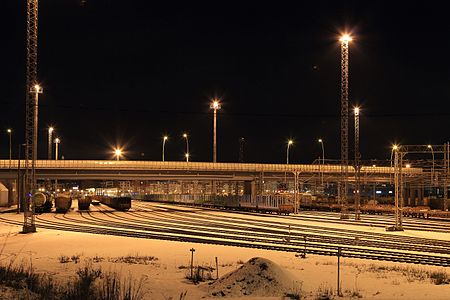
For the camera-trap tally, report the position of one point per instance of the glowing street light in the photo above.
(50, 139)
(165, 138)
(393, 148)
(432, 168)
(215, 106)
(118, 153)
(323, 158)
(57, 142)
(345, 38)
(289, 143)
(9, 131)
(185, 135)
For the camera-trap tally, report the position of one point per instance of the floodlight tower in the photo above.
(345, 39)
(31, 115)
(357, 167)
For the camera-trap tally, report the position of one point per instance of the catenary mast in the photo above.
(31, 114)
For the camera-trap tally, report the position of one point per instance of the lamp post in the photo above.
(185, 135)
(165, 138)
(9, 131)
(289, 143)
(50, 139)
(215, 106)
(118, 154)
(357, 167)
(394, 148)
(57, 141)
(323, 159)
(432, 167)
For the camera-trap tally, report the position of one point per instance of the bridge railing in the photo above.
(195, 166)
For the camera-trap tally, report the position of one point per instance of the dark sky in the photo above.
(128, 72)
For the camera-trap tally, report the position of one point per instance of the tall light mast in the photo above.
(357, 167)
(345, 39)
(31, 114)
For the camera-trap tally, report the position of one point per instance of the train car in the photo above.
(84, 203)
(119, 203)
(42, 202)
(63, 204)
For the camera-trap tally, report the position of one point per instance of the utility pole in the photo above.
(339, 271)
(31, 116)
(192, 263)
(398, 189)
(357, 168)
(447, 172)
(345, 39)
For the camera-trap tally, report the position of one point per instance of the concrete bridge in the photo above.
(176, 170)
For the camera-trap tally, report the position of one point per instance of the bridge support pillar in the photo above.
(250, 189)
(420, 196)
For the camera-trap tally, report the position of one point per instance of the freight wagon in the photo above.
(280, 204)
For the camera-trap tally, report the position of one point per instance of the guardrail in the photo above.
(196, 166)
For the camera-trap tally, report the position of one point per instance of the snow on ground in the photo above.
(166, 275)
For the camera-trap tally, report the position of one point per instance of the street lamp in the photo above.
(432, 168)
(165, 138)
(215, 105)
(57, 141)
(394, 148)
(323, 150)
(118, 153)
(323, 159)
(185, 135)
(9, 131)
(289, 143)
(50, 139)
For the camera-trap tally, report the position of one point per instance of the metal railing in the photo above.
(194, 166)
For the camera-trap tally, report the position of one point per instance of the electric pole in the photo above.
(31, 118)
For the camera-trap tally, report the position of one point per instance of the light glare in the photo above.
(345, 38)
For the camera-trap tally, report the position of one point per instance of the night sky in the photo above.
(128, 72)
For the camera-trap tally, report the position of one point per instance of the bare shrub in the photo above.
(134, 290)
(63, 259)
(75, 258)
(439, 277)
(324, 292)
(295, 294)
(200, 274)
(134, 259)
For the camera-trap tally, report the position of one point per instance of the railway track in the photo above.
(130, 225)
(409, 223)
(280, 232)
(355, 234)
(379, 221)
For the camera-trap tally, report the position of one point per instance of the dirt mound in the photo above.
(257, 277)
